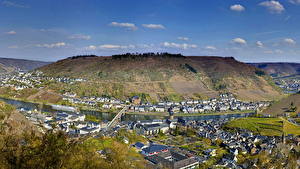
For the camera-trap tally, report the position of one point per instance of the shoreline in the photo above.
(160, 114)
(191, 114)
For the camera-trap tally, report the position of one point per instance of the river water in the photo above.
(109, 116)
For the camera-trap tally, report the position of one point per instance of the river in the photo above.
(109, 116)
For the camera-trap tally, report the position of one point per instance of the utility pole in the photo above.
(283, 134)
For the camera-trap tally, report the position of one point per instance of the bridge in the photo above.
(117, 118)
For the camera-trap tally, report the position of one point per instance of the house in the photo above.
(88, 130)
(242, 108)
(139, 145)
(126, 140)
(207, 107)
(153, 149)
(173, 159)
(106, 106)
(136, 100)
(151, 129)
(141, 109)
(93, 125)
(160, 108)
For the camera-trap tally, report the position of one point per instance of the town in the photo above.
(157, 84)
(209, 143)
(289, 84)
(163, 147)
(226, 101)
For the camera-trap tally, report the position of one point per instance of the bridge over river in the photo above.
(117, 118)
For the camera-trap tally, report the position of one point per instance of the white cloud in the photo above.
(179, 46)
(210, 48)
(259, 44)
(91, 47)
(13, 4)
(294, 1)
(239, 41)
(47, 30)
(277, 51)
(52, 45)
(289, 41)
(129, 26)
(183, 38)
(13, 47)
(273, 6)
(237, 7)
(110, 47)
(268, 52)
(153, 26)
(80, 36)
(11, 33)
(145, 45)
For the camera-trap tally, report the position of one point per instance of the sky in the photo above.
(249, 30)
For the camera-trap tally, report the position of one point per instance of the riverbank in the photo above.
(23, 100)
(83, 108)
(210, 114)
(189, 114)
(132, 116)
(128, 116)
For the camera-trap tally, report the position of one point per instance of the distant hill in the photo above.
(166, 74)
(6, 69)
(279, 69)
(22, 64)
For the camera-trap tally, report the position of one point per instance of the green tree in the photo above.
(293, 108)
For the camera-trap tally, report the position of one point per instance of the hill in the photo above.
(279, 69)
(23, 147)
(283, 106)
(6, 69)
(165, 75)
(26, 65)
(12, 122)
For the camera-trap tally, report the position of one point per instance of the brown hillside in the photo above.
(280, 107)
(165, 75)
(279, 69)
(14, 123)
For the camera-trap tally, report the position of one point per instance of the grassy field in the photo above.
(264, 126)
(290, 128)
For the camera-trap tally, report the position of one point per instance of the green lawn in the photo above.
(132, 136)
(92, 118)
(290, 128)
(264, 126)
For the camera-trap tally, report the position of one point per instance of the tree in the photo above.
(56, 151)
(293, 108)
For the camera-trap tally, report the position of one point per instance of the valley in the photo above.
(173, 103)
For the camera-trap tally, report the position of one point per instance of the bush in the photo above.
(260, 73)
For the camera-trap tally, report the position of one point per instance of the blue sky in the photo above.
(249, 30)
